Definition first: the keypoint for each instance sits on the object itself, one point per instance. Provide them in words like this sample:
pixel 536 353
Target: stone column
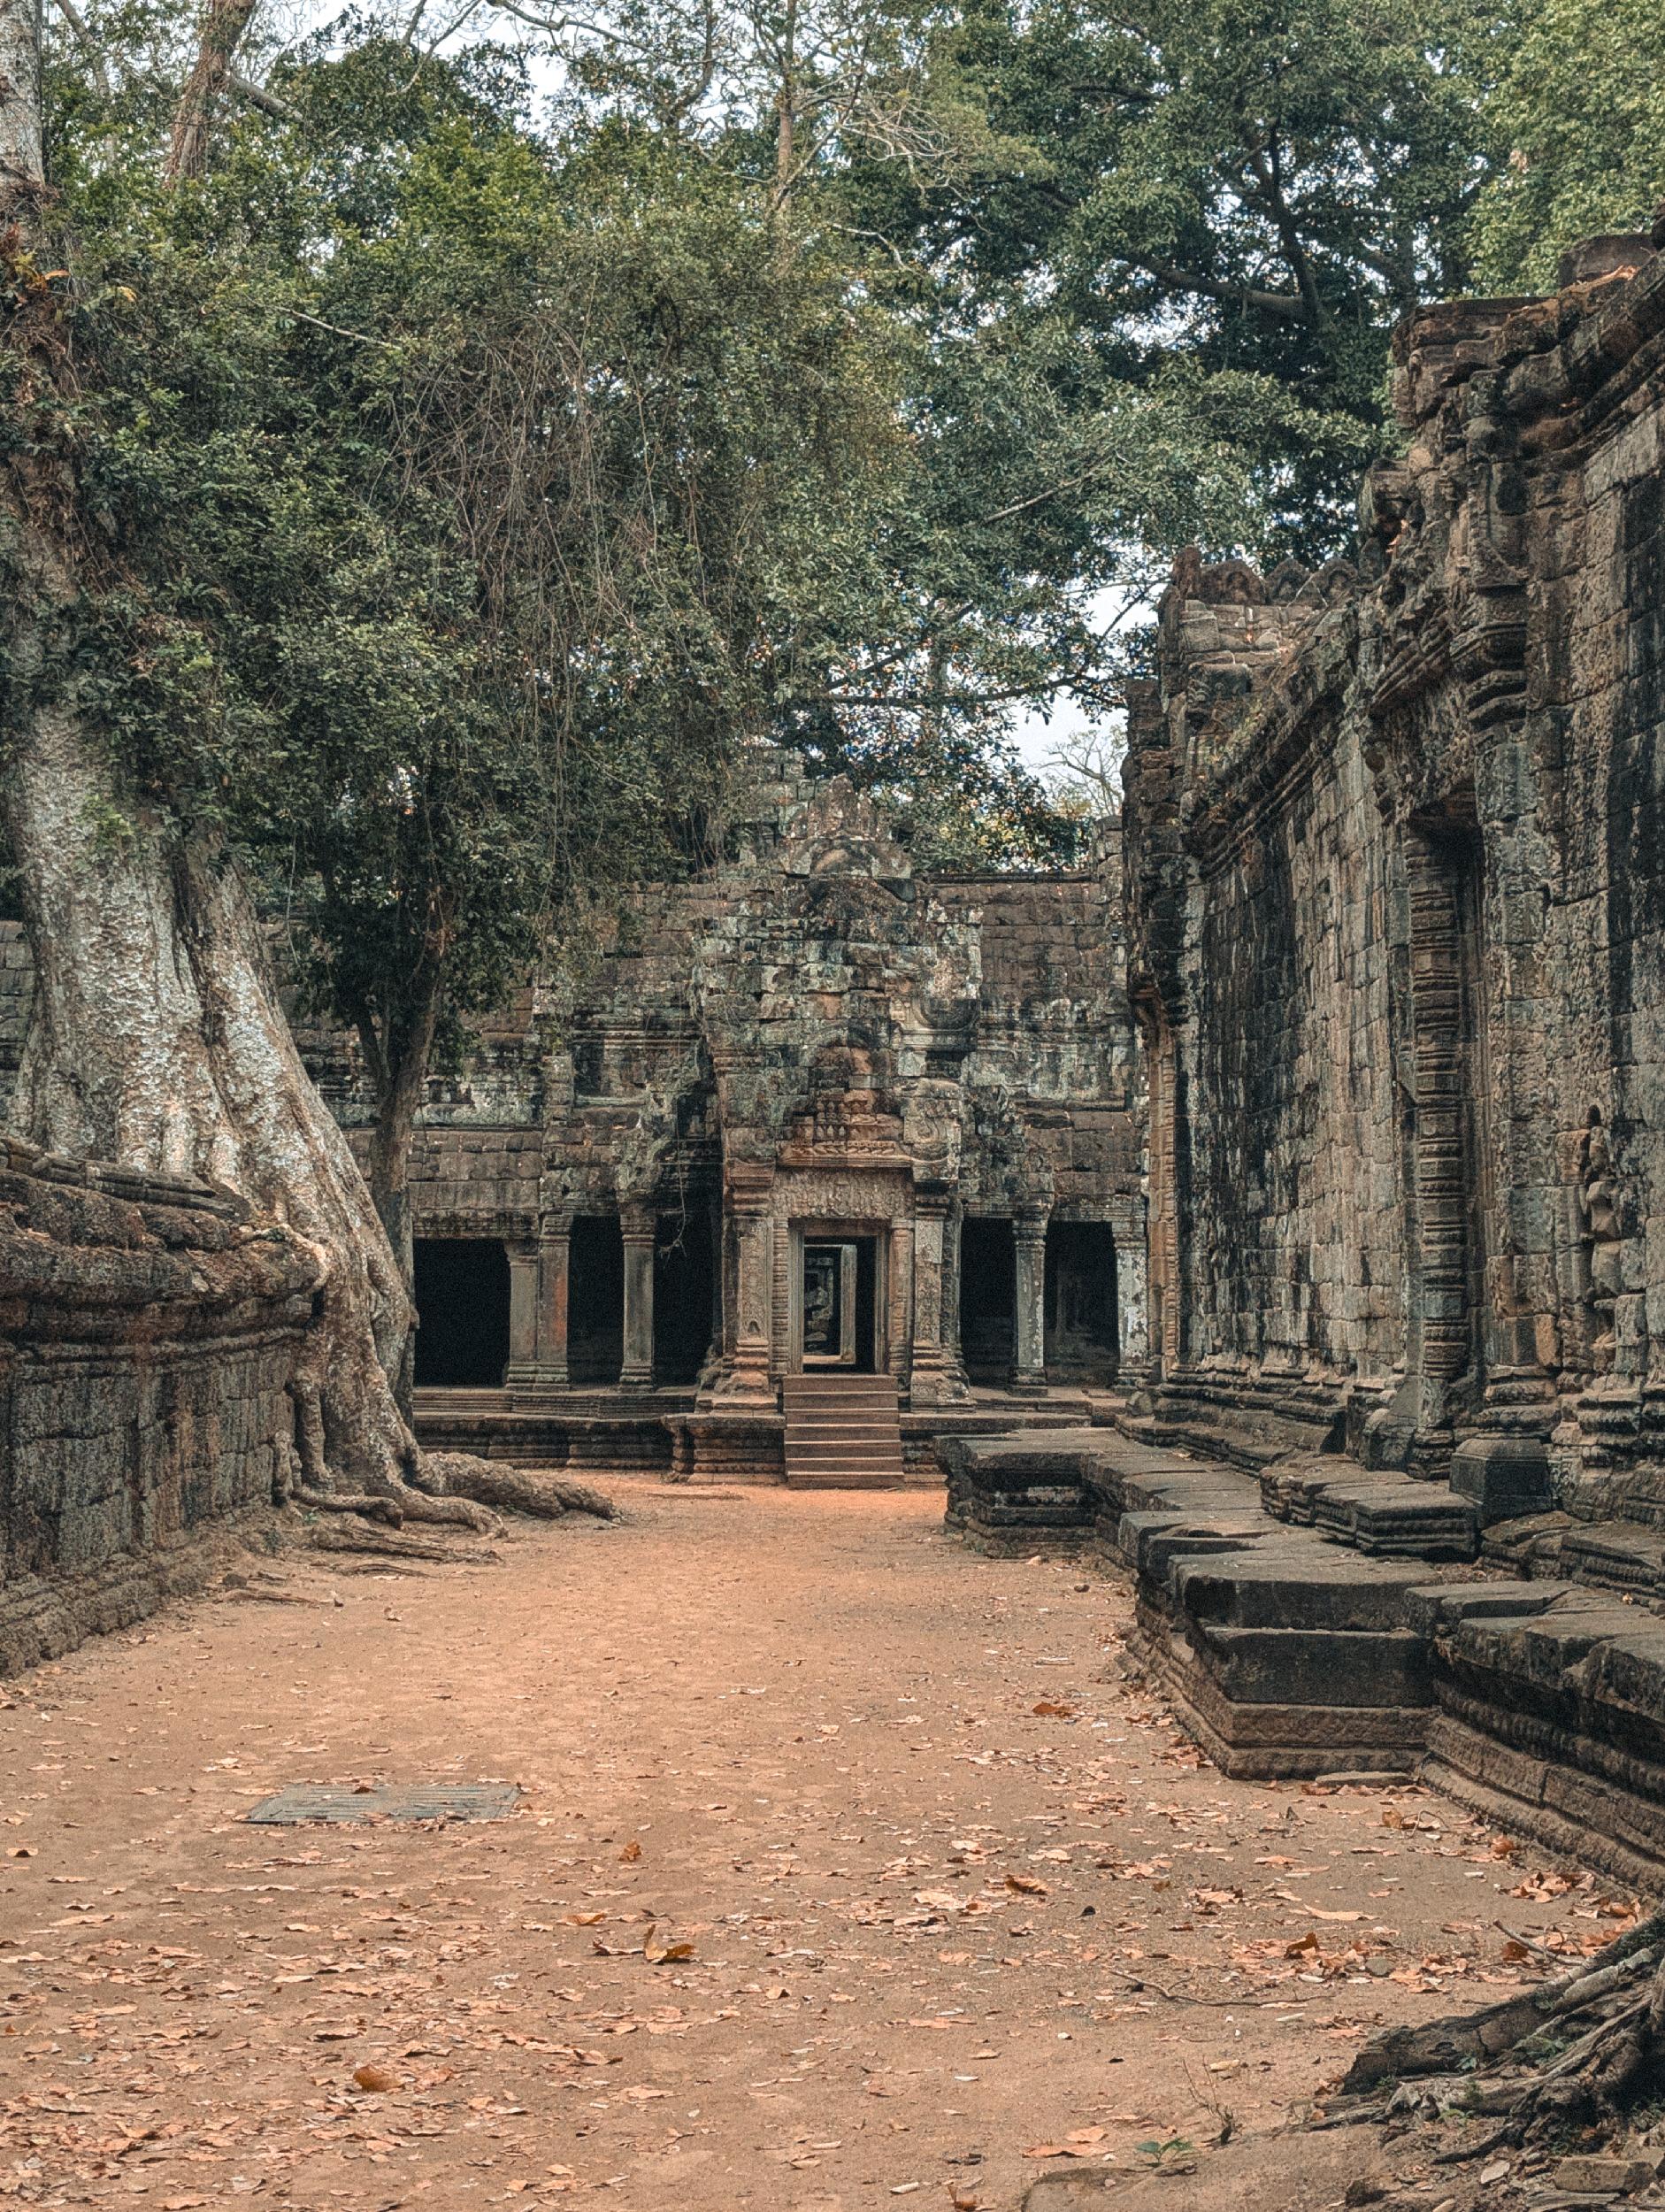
pixel 952 1348
pixel 1132 1310
pixel 747 1329
pixel 1029 1367
pixel 637 1223
pixel 523 1316
pixel 555 1262
pixel 938 1378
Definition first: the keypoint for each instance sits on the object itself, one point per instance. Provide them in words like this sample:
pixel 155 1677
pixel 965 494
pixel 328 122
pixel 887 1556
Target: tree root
pixel 384 1544
pixel 461 1475
pixel 387 1509
pixel 1575 2050
pixel 423 1505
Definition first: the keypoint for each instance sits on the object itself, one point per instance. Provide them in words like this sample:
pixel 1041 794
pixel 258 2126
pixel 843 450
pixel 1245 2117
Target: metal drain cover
pixel 391 1800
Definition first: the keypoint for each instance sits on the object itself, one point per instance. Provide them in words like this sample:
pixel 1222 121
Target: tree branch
pixel 257 96
pixel 224 23
pixel 83 31
pixel 1217 289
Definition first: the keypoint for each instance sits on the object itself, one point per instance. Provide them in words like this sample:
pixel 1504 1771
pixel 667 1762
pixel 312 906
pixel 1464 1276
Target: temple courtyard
pixel 849 1867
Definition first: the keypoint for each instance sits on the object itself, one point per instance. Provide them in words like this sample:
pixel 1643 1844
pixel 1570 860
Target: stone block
pixel 1504 1477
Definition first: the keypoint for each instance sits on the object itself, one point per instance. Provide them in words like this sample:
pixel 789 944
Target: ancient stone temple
pixel 1395 897
pixel 821 1157
pixel 1397 884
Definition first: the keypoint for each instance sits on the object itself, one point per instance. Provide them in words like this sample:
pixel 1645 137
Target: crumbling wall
pixel 1397 929
pixel 147 1332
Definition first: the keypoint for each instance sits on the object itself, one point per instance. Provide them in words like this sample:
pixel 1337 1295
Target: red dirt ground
pixel 924 1832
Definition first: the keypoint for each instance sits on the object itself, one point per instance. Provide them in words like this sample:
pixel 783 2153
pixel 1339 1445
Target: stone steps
pixel 842 1432
pixel 1300 1647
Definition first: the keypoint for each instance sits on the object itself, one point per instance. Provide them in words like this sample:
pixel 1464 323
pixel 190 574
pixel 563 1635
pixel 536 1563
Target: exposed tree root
pixel 1575 2052
pixel 336 1536
pixel 387 1509
pixel 460 1475
pixel 423 1504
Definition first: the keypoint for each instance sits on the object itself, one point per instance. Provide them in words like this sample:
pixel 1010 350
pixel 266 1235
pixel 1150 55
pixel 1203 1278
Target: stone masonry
pixel 147 1332
pixel 811 1057
pixel 1396 944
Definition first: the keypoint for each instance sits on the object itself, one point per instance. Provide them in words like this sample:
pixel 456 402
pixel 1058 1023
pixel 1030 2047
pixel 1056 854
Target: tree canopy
pixel 476 469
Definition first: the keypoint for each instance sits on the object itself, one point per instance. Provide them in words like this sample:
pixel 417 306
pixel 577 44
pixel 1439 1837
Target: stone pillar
pixel 555 1262
pixel 938 1377
pixel 748 1328
pixel 1029 1367
pixel 1132 1292
pixel 637 1222
pixel 523 1315
pixel 900 1317
pixel 954 1350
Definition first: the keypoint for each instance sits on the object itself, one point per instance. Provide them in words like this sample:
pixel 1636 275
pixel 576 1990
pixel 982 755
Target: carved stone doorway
pixel 835 1304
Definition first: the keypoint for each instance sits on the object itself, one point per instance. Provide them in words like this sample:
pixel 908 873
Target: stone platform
pixel 1311 1619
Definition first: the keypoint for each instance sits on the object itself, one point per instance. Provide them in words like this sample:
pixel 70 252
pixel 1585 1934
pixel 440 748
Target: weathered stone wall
pixel 148 1330
pixel 1397 928
pixel 808 1029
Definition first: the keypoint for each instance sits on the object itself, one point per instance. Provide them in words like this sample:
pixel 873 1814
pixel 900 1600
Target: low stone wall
pixel 1308 1622
pixel 147 1332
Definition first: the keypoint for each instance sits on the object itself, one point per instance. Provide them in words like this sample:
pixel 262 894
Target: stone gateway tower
pixel 825 1157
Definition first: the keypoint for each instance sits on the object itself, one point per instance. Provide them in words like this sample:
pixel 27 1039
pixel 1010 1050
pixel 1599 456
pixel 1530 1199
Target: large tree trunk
pixel 403 1085
pixel 156 1039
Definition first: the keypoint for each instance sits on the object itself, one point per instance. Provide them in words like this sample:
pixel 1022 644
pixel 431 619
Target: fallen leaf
pixel 657 1954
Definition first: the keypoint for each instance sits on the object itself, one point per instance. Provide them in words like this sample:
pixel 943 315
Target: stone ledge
pixel 1287 1652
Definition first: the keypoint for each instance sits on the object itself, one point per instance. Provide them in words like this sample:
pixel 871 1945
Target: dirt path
pixel 923 1836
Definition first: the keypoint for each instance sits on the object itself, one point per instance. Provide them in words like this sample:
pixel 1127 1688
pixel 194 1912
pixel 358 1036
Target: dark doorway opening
pixel 595 1300
pixel 684 1294
pixel 1081 1327
pixel 988 1301
pixel 462 1295
pixel 841 1302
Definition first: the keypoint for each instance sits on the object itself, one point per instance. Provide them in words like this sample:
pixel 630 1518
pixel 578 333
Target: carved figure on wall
pixel 1601 1214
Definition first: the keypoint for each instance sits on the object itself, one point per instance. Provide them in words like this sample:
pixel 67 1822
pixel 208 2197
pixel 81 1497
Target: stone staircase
pixel 843 1432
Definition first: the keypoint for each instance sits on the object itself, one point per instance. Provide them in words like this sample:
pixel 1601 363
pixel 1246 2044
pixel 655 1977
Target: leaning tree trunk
pixel 156 1038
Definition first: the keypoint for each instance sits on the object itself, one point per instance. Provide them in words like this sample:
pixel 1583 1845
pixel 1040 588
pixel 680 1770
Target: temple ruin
pixel 1396 944
pixel 1268 1202
pixel 817 1139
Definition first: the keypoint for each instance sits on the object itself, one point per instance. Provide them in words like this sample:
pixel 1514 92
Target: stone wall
pixel 1396 893
pixel 148 1330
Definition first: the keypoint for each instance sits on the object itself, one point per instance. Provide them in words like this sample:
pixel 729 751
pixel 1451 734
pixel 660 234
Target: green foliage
pixel 469 497
pixel 845 375
pixel 1255 189
pixel 1578 113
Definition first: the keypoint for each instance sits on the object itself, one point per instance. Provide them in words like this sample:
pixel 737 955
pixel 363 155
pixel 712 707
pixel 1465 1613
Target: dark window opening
pixel 684 1294
pixel 595 1300
pixel 462 1295
pixel 1081 1331
pixel 988 1301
